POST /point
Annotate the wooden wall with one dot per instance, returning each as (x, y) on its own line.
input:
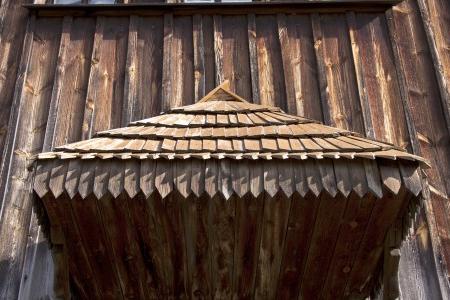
(385, 75)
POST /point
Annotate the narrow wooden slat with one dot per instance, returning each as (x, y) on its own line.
(286, 177)
(164, 178)
(218, 49)
(225, 180)
(101, 178)
(358, 177)
(72, 177)
(198, 177)
(271, 178)
(411, 177)
(199, 57)
(211, 177)
(130, 93)
(132, 180)
(86, 182)
(42, 177)
(390, 176)
(342, 173)
(182, 177)
(147, 177)
(167, 64)
(326, 170)
(116, 179)
(252, 49)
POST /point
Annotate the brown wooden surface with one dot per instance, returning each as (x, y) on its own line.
(403, 69)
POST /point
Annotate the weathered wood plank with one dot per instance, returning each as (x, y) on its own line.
(148, 68)
(107, 76)
(304, 68)
(13, 29)
(428, 121)
(71, 83)
(380, 81)
(236, 63)
(218, 49)
(27, 137)
(178, 87)
(253, 57)
(435, 15)
(338, 87)
(270, 64)
(199, 57)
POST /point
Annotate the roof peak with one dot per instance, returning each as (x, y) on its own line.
(222, 93)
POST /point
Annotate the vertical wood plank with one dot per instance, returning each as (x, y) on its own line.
(178, 66)
(365, 107)
(12, 32)
(71, 83)
(305, 73)
(236, 64)
(26, 140)
(199, 57)
(270, 65)
(339, 88)
(104, 100)
(253, 56)
(435, 15)
(380, 79)
(147, 68)
(218, 49)
(323, 84)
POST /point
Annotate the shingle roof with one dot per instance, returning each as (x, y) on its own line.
(223, 125)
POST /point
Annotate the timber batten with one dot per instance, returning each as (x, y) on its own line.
(191, 180)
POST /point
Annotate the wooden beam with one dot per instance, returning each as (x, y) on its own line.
(212, 8)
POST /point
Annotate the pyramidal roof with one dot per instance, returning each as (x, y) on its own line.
(223, 125)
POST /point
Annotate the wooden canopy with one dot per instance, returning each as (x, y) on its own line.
(227, 198)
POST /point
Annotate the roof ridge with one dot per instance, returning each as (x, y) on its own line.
(224, 87)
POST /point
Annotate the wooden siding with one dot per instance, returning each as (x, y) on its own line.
(385, 75)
